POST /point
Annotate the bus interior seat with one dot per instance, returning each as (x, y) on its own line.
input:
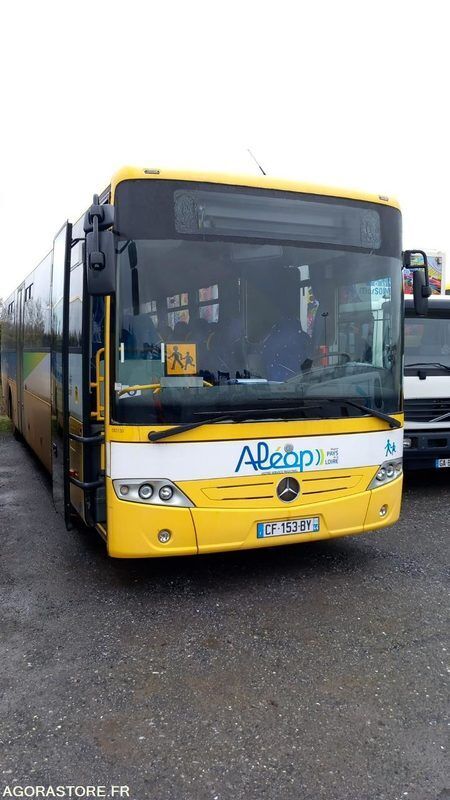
(285, 349)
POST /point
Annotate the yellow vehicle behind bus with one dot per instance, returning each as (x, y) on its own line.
(217, 364)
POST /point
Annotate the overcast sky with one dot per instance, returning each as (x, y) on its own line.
(346, 93)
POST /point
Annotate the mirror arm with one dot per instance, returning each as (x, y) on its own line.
(96, 257)
(103, 213)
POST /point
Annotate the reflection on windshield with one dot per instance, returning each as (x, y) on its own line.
(427, 341)
(211, 326)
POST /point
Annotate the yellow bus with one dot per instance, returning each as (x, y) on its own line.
(208, 362)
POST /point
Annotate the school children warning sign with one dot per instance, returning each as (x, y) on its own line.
(181, 359)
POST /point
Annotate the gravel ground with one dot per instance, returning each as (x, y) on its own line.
(296, 673)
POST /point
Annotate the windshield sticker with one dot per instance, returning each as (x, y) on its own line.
(131, 393)
(181, 359)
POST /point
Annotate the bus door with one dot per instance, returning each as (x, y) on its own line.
(77, 425)
(85, 387)
(87, 415)
(19, 358)
(86, 401)
(59, 370)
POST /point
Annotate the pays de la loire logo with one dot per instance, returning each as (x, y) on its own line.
(262, 459)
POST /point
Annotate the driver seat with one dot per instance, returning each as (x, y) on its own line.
(285, 350)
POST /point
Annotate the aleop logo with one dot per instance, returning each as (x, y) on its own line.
(262, 459)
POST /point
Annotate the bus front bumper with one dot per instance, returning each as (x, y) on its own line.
(133, 528)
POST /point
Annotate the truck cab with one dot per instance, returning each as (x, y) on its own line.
(427, 385)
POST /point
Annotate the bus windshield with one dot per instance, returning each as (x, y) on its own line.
(427, 341)
(241, 299)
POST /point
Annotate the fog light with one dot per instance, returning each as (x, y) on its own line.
(381, 474)
(124, 489)
(164, 536)
(166, 493)
(145, 491)
(383, 511)
(407, 442)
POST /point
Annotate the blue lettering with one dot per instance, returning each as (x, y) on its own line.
(275, 460)
(264, 460)
(304, 454)
(246, 451)
(263, 455)
(290, 463)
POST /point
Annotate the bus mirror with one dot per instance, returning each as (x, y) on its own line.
(100, 254)
(421, 292)
(417, 261)
(100, 259)
(101, 214)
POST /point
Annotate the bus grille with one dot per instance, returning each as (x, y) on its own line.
(260, 491)
(427, 409)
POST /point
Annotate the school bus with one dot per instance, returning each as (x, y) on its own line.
(208, 362)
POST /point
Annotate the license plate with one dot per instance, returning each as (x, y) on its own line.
(286, 527)
(442, 462)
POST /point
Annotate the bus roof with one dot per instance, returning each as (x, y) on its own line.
(257, 181)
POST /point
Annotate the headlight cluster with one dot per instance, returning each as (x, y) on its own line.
(157, 492)
(388, 471)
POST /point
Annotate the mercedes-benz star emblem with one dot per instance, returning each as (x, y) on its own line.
(288, 489)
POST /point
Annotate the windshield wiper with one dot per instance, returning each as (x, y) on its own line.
(245, 416)
(237, 416)
(392, 422)
(428, 364)
(154, 436)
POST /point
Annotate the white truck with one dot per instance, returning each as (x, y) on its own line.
(427, 385)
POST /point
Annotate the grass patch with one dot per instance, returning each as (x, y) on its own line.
(5, 425)
(5, 422)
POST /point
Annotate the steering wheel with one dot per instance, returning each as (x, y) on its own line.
(318, 358)
(333, 355)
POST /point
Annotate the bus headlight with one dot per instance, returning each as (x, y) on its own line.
(387, 472)
(156, 492)
(145, 491)
(166, 493)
